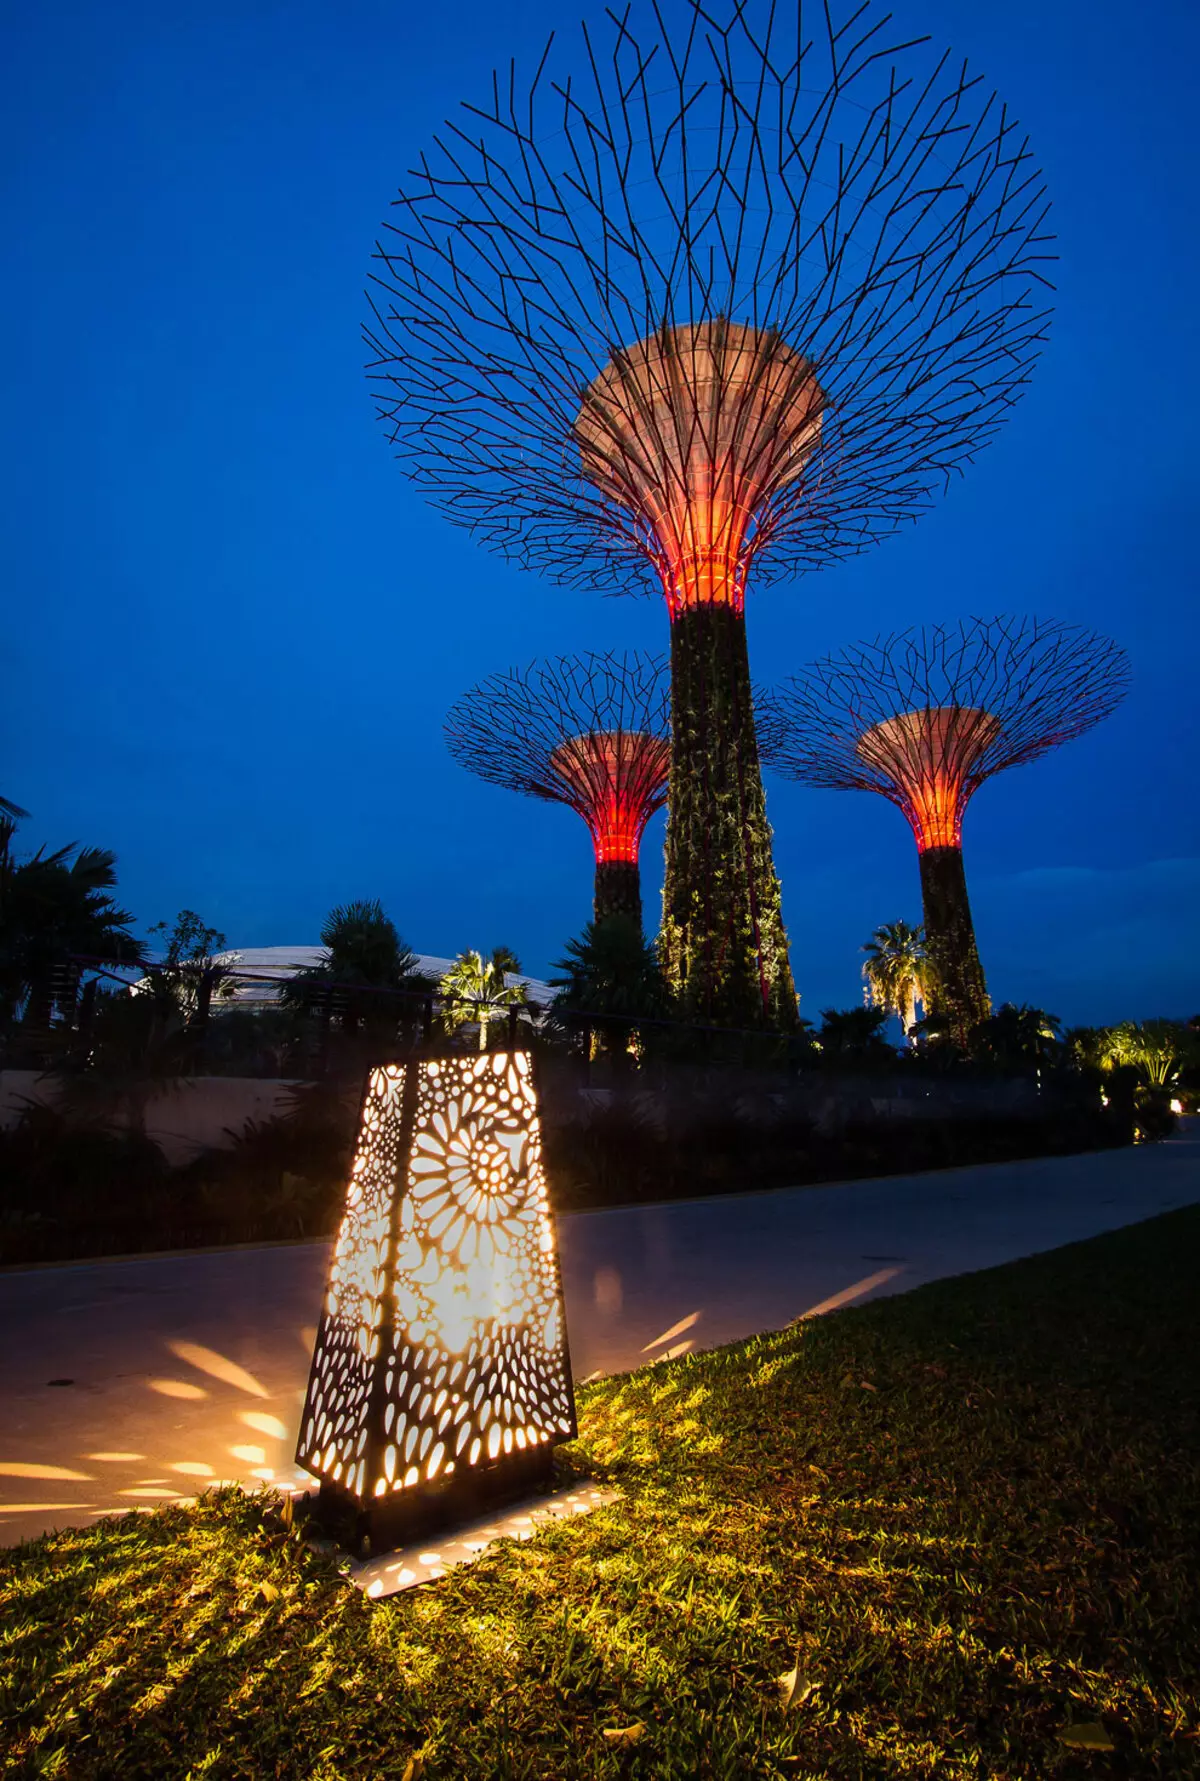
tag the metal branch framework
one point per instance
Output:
(846, 222)
(587, 731)
(924, 717)
(749, 290)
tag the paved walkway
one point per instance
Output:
(125, 1384)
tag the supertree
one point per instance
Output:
(744, 291)
(924, 717)
(589, 731)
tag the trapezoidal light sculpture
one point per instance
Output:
(588, 731)
(440, 1378)
(924, 718)
(736, 293)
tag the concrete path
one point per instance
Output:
(125, 1384)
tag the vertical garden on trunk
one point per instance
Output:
(723, 942)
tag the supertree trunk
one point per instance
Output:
(618, 890)
(957, 991)
(723, 944)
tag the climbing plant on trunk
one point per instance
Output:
(723, 944)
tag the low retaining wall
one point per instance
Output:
(201, 1113)
(198, 1113)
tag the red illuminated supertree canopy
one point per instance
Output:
(924, 717)
(741, 292)
(588, 731)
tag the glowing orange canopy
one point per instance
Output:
(693, 430)
(928, 758)
(618, 779)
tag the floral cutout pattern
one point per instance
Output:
(443, 1322)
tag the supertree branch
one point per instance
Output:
(924, 717)
(586, 731)
(842, 233)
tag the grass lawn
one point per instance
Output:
(968, 1519)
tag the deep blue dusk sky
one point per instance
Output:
(230, 628)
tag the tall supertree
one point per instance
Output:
(746, 290)
(924, 717)
(589, 731)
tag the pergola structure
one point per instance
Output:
(588, 731)
(924, 718)
(739, 293)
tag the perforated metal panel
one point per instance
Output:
(442, 1345)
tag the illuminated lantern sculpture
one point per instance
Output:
(924, 717)
(734, 293)
(588, 731)
(440, 1378)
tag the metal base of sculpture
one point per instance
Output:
(431, 1509)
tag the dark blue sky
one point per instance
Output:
(230, 628)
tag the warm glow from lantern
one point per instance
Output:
(618, 779)
(929, 756)
(448, 1300)
(694, 430)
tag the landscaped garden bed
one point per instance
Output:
(962, 1522)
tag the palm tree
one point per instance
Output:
(475, 989)
(364, 946)
(1155, 1048)
(853, 1036)
(55, 908)
(897, 972)
(364, 957)
(1089, 1048)
(612, 969)
(610, 978)
(9, 809)
(1017, 1034)
(364, 951)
